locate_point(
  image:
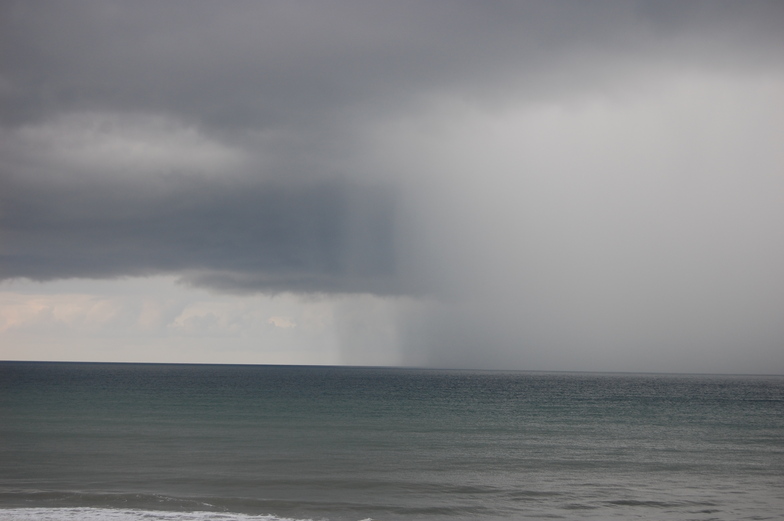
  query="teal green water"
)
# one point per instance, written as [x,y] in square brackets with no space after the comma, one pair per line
[338,443]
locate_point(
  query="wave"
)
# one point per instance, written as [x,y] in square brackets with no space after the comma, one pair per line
[114,514]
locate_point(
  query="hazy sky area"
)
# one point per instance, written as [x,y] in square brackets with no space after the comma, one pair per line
[548,185]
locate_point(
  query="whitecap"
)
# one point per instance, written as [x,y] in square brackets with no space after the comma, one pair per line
[113,514]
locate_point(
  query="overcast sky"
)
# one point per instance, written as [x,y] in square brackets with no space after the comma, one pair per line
[505,185]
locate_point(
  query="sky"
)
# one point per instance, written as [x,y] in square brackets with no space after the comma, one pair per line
[544,185]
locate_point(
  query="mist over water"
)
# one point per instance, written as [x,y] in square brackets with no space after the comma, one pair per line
[558,236]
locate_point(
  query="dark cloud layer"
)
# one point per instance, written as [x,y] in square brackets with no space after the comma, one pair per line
[311,75]
[322,236]
[268,64]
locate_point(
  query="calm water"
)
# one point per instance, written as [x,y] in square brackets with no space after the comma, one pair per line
[184,442]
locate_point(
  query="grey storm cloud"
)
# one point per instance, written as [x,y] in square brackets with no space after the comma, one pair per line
[241,237]
[268,64]
[311,75]
[603,174]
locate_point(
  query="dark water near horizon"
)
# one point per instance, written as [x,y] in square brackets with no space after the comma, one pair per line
[196,442]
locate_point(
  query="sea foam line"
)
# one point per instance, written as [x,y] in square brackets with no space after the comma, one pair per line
[113,514]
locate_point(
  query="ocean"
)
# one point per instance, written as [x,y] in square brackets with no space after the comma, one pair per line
[216,442]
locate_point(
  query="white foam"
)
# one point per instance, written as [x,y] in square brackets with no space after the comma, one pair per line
[112,514]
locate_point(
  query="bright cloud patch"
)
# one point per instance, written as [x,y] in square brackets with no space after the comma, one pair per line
[283,322]
[124,143]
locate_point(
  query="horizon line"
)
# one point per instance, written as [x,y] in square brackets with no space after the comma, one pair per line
[424,368]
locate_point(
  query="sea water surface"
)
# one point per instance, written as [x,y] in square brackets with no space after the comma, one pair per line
[195,442]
